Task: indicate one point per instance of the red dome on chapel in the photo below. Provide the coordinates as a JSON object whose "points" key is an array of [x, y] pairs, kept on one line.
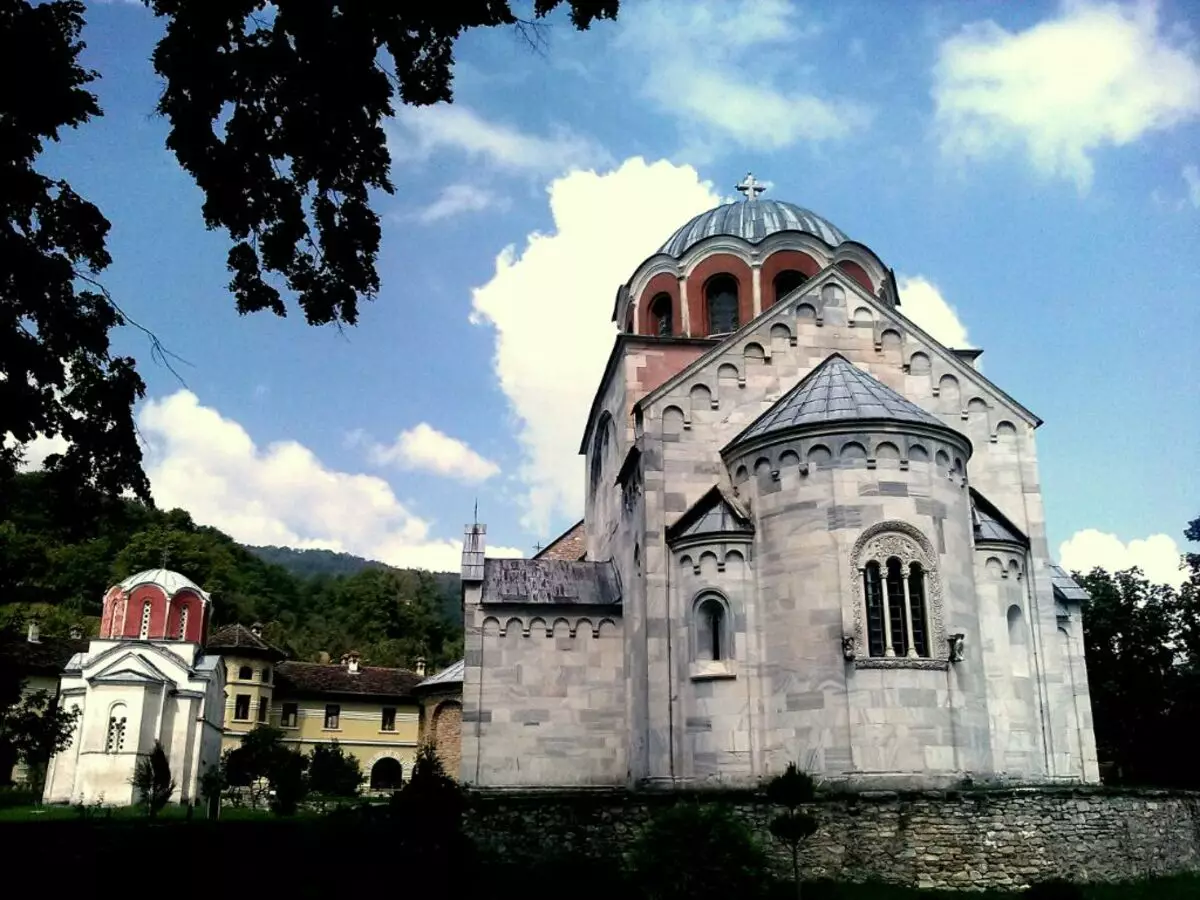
{"points": [[156, 605]]}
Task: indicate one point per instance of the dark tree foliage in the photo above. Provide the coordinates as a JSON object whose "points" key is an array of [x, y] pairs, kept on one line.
{"points": [[153, 781], [792, 790], [332, 772], [1143, 657], [277, 110], [57, 376]]}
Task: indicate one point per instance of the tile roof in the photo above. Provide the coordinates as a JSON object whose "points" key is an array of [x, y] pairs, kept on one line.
{"points": [[551, 582], [837, 391], [451, 675], [1065, 587], [571, 544], [753, 221], [171, 582], [299, 678], [237, 639]]}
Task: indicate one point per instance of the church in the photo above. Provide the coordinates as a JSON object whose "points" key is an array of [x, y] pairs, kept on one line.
{"points": [[145, 678], [812, 534]]}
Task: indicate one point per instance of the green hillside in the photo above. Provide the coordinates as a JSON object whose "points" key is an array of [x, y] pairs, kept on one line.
{"points": [[57, 562]]}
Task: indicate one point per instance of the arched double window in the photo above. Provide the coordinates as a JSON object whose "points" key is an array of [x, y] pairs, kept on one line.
{"points": [[787, 281], [711, 627], [897, 619], [721, 299], [114, 741], [661, 323]]}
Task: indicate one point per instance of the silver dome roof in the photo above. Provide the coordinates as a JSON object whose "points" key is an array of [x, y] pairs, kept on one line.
{"points": [[752, 221]]}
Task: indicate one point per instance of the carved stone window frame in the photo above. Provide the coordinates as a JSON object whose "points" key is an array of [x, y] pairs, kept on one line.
{"points": [[879, 543]]}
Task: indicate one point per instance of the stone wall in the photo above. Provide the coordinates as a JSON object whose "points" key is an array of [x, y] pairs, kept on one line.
{"points": [[967, 840]]}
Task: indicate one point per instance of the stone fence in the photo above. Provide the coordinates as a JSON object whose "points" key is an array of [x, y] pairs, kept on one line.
{"points": [[968, 839]]}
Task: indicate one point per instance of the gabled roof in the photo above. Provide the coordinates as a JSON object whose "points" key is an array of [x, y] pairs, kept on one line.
{"points": [[448, 677], [991, 524], [553, 582], [714, 513], [571, 544], [238, 640], [835, 392], [1065, 587]]}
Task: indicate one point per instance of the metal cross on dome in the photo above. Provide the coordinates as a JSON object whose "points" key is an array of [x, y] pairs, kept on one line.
{"points": [[751, 187]]}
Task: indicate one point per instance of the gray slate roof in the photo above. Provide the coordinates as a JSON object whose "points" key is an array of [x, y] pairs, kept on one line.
{"points": [[714, 513], [752, 221], [451, 675], [1065, 587], [837, 391], [991, 525], [553, 582]]}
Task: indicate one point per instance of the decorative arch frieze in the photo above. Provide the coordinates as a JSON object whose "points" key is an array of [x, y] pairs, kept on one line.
{"points": [[899, 540], [537, 626]]}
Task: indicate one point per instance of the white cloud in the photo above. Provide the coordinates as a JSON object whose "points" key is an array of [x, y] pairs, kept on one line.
{"points": [[456, 199], [923, 303], [280, 494], [424, 130], [550, 305], [1158, 556], [730, 69], [34, 453], [1192, 176], [427, 449], [1098, 74]]}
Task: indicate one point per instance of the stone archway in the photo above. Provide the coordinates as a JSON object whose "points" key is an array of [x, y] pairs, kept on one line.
{"points": [[386, 774]]}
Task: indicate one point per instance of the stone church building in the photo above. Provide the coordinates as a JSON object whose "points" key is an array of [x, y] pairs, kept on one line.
{"points": [[812, 534]]}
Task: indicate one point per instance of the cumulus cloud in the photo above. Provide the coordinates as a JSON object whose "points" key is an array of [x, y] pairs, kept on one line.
{"points": [[728, 69], [550, 306], [1158, 556], [456, 199], [421, 131], [923, 303], [282, 493], [426, 449], [1191, 175], [34, 453], [1097, 74]]}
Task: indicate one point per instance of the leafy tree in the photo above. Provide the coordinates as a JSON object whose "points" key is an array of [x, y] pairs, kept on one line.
{"points": [[696, 851], [252, 763], [288, 159], [32, 729], [153, 781], [288, 782], [792, 828], [333, 772], [434, 799]]}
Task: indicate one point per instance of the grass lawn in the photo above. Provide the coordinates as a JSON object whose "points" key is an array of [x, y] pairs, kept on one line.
{"points": [[173, 812]]}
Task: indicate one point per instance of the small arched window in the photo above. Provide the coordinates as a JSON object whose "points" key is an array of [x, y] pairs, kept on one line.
{"points": [[114, 741], [873, 588], [660, 316], [245, 673], [787, 281], [183, 617], [916, 606], [711, 630], [144, 631], [721, 297]]}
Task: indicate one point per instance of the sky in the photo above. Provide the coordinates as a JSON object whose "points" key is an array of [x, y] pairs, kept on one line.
{"points": [[1031, 171]]}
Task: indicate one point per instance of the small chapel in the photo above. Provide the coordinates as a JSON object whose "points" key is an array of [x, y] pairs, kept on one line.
{"points": [[145, 678], [813, 534]]}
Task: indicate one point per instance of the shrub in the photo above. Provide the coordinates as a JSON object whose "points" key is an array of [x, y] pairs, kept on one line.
{"points": [[698, 851], [153, 781]]}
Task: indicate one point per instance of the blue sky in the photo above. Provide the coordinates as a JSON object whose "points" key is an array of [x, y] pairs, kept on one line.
{"points": [[1029, 170]]}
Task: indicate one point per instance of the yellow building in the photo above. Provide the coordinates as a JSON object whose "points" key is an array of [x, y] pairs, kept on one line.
{"points": [[372, 712], [38, 660]]}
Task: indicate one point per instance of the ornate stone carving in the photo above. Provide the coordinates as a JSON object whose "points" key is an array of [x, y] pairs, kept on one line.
{"points": [[880, 543]]}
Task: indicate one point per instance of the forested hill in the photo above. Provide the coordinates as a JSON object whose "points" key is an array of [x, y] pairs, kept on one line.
{"points": [[57, 557]]}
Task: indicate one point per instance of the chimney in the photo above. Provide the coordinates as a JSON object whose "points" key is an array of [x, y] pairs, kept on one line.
{"points": [[256, 629], [473, 550], [351, 661], [76, 633], [421, 666], [323, 657], [34, 635]]}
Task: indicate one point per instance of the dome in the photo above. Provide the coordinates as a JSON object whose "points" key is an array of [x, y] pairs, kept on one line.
{"points": [[752, 220], [170, 582]]}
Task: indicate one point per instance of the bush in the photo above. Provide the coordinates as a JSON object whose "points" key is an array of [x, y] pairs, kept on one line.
{"points": [[695, 852], [18, 796], [153, 781]]}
